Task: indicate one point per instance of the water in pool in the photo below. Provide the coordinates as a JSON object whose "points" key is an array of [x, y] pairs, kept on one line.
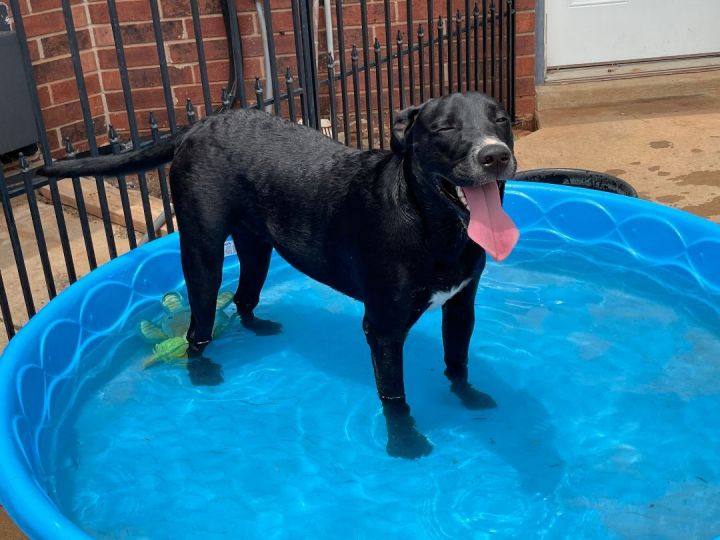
{"points": [[607, 386]]}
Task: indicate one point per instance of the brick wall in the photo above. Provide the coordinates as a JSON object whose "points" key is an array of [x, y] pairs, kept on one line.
{"points": [[47, 40], [525, 63]]}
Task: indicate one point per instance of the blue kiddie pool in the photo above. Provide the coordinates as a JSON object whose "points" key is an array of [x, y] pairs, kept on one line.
{"points": [[599, 339]]}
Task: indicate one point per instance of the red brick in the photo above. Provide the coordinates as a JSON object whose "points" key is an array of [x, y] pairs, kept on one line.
{"points": [[103, 36], [162, 117], [353, 36], [107, 59], [52, 21], [525, 105], [128, 10], [525, 86], [65, 91], [119, 121], [147, 77], [47, 5], [76, 132], [274, 4], [60, 115], [143, 99], [524, 66], [420, 11], [249, 87], [174, 30], [115, 101], [214, 26], [181, 75], [379, 32], [282, 21], [253, 45], [525, 45], [181, 93], [110, 80], [87, 60], [58, 45], [45, 23], [352, 15], [181, 53], [97, 104], [174, 9], [525, 5], [44, 96], [34, 49], [139, 56], [55, 142], [138, 33], [54, 70], [143, 33], [79, 15], [525, 22], [144, 77], [218, 71]]}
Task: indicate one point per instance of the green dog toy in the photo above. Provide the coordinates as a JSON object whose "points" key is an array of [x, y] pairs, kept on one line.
{"points": [[169, 333]]}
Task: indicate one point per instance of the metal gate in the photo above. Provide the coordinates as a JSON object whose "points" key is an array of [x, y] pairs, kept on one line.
{"points": [[379, 57]]}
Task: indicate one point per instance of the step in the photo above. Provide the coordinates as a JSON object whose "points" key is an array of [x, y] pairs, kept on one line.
{"points": [[594, 93], [92, 202]]}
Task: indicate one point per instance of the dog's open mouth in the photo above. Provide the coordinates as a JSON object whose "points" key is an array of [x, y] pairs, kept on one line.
{"points": [[488, 224], [455, 194]]}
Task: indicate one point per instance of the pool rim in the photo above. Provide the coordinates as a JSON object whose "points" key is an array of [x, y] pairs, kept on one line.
{"points": [[29, 505]]}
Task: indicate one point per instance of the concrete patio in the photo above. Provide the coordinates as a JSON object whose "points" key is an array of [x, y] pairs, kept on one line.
{"points": [[661, 134]]}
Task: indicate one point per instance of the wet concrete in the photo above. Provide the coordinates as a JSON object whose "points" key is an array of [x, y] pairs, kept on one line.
{"points": [[673, 159]]}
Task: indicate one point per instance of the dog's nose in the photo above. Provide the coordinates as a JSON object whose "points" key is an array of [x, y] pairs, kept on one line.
{"points": [[494, 156]]}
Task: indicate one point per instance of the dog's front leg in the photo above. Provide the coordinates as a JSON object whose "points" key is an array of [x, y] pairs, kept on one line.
{"points": [[458, 322], [386, 349]]}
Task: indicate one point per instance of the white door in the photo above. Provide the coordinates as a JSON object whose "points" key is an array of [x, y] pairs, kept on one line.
{"points": [[605, 31]]}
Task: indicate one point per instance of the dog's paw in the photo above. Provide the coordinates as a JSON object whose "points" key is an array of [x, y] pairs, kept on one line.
{"points": [[261, 327], [204, 372], [410, 444], [470, 398], [404, 440]]}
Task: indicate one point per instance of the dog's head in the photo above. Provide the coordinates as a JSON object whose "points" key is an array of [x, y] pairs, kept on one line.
{"points": [[462, 145]]}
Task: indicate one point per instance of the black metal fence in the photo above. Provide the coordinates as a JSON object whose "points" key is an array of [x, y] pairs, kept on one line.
{"points": [[349, 92]]}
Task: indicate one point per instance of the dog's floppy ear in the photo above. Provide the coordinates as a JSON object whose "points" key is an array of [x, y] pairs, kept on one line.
{"points": [[402, 123]]}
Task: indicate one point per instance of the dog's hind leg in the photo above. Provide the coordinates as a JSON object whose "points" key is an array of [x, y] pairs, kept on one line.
{"points": [[457, 327], [202, 260], [202, 265], [254, 255]]}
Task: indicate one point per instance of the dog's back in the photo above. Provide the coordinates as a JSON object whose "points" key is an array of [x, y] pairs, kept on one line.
{"points": [[297, 189]]}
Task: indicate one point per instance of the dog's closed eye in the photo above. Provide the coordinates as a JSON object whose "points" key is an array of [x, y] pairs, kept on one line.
{"points": [[502, 120], [440, 129]]}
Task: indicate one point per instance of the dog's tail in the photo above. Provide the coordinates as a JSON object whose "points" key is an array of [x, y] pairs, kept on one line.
{"points": [[118, 164]]}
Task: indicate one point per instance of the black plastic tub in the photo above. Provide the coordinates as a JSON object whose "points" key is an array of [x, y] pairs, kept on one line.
{"points": [[579, 178]]}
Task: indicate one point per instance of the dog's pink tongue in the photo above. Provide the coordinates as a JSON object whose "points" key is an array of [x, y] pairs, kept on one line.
{"points": [[490, 226]]}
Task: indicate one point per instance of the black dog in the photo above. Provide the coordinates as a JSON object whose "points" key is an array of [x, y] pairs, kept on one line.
{"points": [[399, 230]]}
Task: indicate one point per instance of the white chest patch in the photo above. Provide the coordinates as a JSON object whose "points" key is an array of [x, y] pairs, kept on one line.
{"points": [[440, 297]]}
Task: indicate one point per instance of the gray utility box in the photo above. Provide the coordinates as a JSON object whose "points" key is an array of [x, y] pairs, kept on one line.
{"points": [[17, 123]]}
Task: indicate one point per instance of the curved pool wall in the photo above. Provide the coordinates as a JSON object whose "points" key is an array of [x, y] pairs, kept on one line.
{"points": [[46, 363]]}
